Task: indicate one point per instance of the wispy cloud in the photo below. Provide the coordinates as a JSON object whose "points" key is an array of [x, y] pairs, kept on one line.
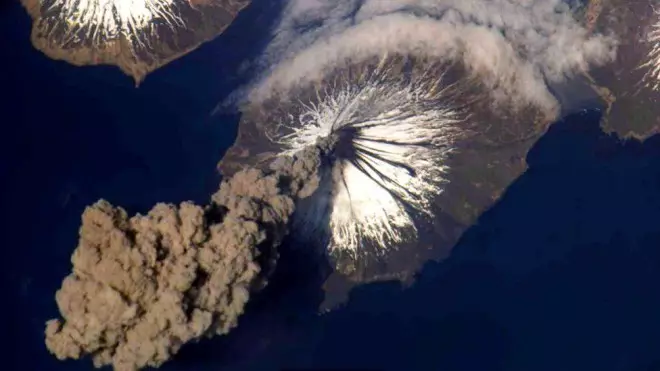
{"points": [[513, 46]]}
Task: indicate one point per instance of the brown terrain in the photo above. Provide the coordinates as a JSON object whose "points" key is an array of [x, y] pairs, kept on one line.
{"points": [[633, 111], [493, 157], [139, 53], [488, 159]]}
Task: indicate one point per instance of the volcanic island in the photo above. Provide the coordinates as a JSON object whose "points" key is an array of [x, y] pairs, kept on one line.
{"points": [[138, 36]]}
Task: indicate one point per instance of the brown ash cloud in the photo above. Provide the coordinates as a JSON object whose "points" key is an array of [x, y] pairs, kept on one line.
{"points": [[143, 286]]}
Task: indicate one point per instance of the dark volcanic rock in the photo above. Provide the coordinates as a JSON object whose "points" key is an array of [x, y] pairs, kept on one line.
{"points": [[136, 36]]}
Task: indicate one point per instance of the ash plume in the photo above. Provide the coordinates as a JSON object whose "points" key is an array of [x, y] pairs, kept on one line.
{"points": [[515, 47], [143, 286]]}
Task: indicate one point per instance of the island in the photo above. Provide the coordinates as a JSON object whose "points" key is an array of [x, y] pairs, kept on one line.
{"points": [[137, 36], [484, 164]]}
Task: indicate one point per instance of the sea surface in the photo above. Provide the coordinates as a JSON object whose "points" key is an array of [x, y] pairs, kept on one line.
{"points": [[72, 135], [562, 273]]}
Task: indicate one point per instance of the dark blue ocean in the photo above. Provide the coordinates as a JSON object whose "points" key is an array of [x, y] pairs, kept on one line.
{"points": [[561, 274]]}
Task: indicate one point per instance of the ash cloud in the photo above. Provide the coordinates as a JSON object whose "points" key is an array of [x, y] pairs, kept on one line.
{"points": [[514, 47], [143, 286]]}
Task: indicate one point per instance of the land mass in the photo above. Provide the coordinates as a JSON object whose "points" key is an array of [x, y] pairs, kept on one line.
{"points": [[486, 161], [138, 38], [633, 110]]}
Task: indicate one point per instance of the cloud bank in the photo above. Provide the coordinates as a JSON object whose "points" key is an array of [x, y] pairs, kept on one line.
{"points": [[515, 47]]}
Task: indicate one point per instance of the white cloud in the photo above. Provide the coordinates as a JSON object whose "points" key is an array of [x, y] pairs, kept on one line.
{"points": [[512, 46]]}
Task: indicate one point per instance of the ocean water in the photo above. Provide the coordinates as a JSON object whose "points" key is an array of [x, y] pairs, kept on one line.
{"points": [[562, 273], [73, 135]]}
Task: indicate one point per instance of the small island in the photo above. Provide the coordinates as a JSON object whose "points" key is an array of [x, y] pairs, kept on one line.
{"points": [[138, 36]]}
